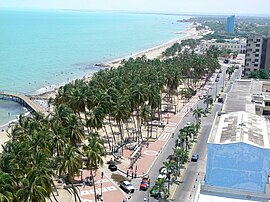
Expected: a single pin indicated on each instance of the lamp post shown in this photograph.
(81, 170)
(102, 174)
(216, 90)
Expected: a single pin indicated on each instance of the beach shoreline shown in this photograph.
(150, 53)
(154, 52)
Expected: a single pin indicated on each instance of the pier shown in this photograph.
(24, 101)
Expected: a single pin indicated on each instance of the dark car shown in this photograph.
(195, 157)
(145, 183)
(226, 61)
(112, 167)
(220, 99)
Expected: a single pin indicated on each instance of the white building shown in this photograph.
(235, 45)
(238, 160)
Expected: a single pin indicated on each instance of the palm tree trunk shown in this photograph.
(120, 130)
(110, 123)
(95, 192)
(110, 147)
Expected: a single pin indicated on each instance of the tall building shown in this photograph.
(257, 54)
(230, 24)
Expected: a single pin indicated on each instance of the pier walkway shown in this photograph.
(24, 101)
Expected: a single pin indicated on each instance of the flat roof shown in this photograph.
(240, 126)
(213, 198)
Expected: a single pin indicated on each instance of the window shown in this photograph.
(255, 65)
(257, 45)
(256, 55)
(258, 109)
(257, 50)
(256, 60)
(267, 103)
(258, 40)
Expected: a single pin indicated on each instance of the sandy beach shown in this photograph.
(190, 33)
(151, 53)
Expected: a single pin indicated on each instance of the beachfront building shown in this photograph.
(230, 24)
(235, 45)
(257, 54)
(238, 158)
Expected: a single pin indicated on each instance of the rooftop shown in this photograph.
(240, 127)
(239, 98)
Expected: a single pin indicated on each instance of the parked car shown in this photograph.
(220, 99)
(162, 176)
(145, 183)
(112, 167)
(218, 76)
(216, 80)
(195, 157)
(220, 70)
(127, 187)
(154, 192)
(226, 61)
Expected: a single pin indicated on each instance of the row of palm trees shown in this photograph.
(132, 93)
(68, 139)
(177, 159)
(42, 149)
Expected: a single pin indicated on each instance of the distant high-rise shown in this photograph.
(230, 24)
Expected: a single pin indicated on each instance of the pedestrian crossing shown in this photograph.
(164, 136)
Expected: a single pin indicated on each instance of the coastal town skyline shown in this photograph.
(192, 7)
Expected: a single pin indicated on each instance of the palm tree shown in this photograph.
(160, 186)
(197, 113)
(230, 71)
(94, 152)
(7, 187)
(181, 156)
(208, 100)
(35, 186)
(70, 163)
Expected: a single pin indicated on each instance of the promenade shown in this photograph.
(150, 152)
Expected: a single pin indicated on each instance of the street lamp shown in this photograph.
(102, 174)
(81, 170)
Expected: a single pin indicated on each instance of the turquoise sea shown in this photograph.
(40, 48)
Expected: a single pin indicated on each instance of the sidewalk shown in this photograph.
(150, 151)
(107, 186)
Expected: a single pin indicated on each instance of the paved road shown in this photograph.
(187, 184)
(197, 170)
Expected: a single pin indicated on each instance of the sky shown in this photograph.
(260, 7)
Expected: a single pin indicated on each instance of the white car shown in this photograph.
(162, 176)
(127, 187)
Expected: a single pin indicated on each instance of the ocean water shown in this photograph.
(39, 48)
(9, 111)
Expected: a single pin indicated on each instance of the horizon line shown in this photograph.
(146, 12)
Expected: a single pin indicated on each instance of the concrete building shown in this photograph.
(249, 95)
(235, 45)
(257, 54)
(238, 158)
(230, 24)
